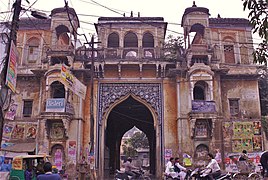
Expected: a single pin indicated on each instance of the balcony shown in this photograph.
(130, 53)
(200, 106)
(59, 105)
(198, 48)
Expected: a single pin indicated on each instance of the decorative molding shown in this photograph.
(110, 93)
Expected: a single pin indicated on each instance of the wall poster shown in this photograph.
(7, 131)
(72, 151)
(58, 159)
(244, 135)
(31, 131)
(18, 131)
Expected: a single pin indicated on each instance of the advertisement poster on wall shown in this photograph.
(31, 131)
(231, 163)
(7, 131)
(72, 151)
(168, 154)
(244, 135)
(18, 131)
(58, 159)
(11, 113)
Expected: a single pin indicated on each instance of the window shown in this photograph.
(234, 106)
(57, 90)
(27, 108)
(33, 53)
(201, 129)
(33, 50)
(147, 40)
(113, 40)
(229, 54)
(200, 89)
(130, 40)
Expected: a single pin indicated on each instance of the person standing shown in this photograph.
(82, 168)
(48, 173)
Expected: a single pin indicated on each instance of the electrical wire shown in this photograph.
(29, 7)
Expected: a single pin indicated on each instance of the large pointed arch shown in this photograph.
(148, 95)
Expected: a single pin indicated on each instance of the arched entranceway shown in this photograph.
(123, 117)
(117, 98)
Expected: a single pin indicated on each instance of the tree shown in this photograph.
(258, 17)
(173, 47)
(138, 140)
(263, 89)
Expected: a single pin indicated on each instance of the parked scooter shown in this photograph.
(202, 174)
(121, 175)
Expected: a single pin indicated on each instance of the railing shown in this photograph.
(59, 105)
(199, 47)
(127, 53)
(61, 48)
(201, 106)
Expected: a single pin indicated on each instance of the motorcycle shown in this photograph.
(202, 174)
(140, 174)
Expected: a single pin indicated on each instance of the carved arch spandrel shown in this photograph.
(110, 93)
(122, 99)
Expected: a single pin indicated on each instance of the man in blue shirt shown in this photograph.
(5, 166)
(48, 173)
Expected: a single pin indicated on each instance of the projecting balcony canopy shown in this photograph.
(200, 106)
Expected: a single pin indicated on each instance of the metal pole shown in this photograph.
(91, 96)
(13, 37)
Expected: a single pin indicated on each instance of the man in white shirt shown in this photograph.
(182, 170)
(170, 168)
(129, 168)
(214, 166)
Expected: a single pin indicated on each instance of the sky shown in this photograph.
(90, 10)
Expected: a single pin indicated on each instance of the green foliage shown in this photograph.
(138, 140)
(172, 47)
(258, 17)
(263, 89)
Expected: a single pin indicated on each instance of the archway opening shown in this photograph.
(123, 117)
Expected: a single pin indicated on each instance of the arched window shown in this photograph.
(199, 31)
(32, 50)
(113, 40)
(62, 35)
(57, 90)
(130, 40)
(200, 89)
(147, 40)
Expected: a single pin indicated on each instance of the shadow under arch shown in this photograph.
(127, 112)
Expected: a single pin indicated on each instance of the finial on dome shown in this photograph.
(193, 4)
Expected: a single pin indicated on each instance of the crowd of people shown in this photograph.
(176, 171)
